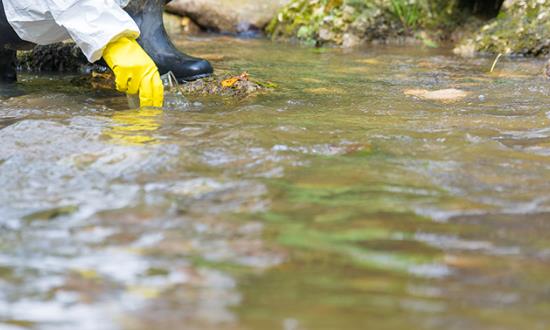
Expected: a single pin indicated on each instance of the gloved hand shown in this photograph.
(134, 71)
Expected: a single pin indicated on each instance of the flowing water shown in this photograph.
(334, 202)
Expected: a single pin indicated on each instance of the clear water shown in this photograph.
(335, 202)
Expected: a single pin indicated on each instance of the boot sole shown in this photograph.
(193, 78)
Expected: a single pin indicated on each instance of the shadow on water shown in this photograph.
(334, 202)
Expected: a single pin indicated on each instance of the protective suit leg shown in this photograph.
(154, 39)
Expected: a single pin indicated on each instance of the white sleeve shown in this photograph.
(92, 24)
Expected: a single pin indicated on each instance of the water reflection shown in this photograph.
(135, 127)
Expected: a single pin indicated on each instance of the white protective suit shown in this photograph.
(92, 24)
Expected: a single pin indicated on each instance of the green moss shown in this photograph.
(349, 22)
(522, 28)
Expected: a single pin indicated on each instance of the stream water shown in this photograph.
(333, 202)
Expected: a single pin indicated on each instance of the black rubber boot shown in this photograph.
(8, 60)
(9, 41)
(154, 39)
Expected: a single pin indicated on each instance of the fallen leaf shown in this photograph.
(230, 82)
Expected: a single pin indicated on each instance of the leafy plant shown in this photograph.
(409, 12)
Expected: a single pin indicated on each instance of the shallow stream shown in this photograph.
(334, 202)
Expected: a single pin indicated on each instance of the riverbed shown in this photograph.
(335, 201)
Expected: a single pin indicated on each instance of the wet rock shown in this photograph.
(227, 85)
(522, 28)
(442, 95)
(58, 57)
(228, 16)
(220, 84)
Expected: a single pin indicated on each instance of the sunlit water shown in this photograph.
(334, 202)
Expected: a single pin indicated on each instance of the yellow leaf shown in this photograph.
(230, 82)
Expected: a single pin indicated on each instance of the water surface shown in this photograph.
(334, 202)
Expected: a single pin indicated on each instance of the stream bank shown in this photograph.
(473, 28)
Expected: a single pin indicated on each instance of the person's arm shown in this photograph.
(101, 28)
(92, 24)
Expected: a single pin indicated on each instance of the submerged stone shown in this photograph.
(227, 85)
(442, 95)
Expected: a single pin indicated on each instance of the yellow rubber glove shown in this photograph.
(134, 71)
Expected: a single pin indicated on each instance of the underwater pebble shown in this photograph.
(443, 95)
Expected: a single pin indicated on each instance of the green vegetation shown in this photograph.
(521, 28)
(408, 12)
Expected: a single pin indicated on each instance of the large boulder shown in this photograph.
(230, 16)
(521, 28)
(354, 22)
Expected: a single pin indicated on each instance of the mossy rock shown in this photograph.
(58, 57)
(227, 85)
(223, 85)
(521, 28)
(353, 22)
